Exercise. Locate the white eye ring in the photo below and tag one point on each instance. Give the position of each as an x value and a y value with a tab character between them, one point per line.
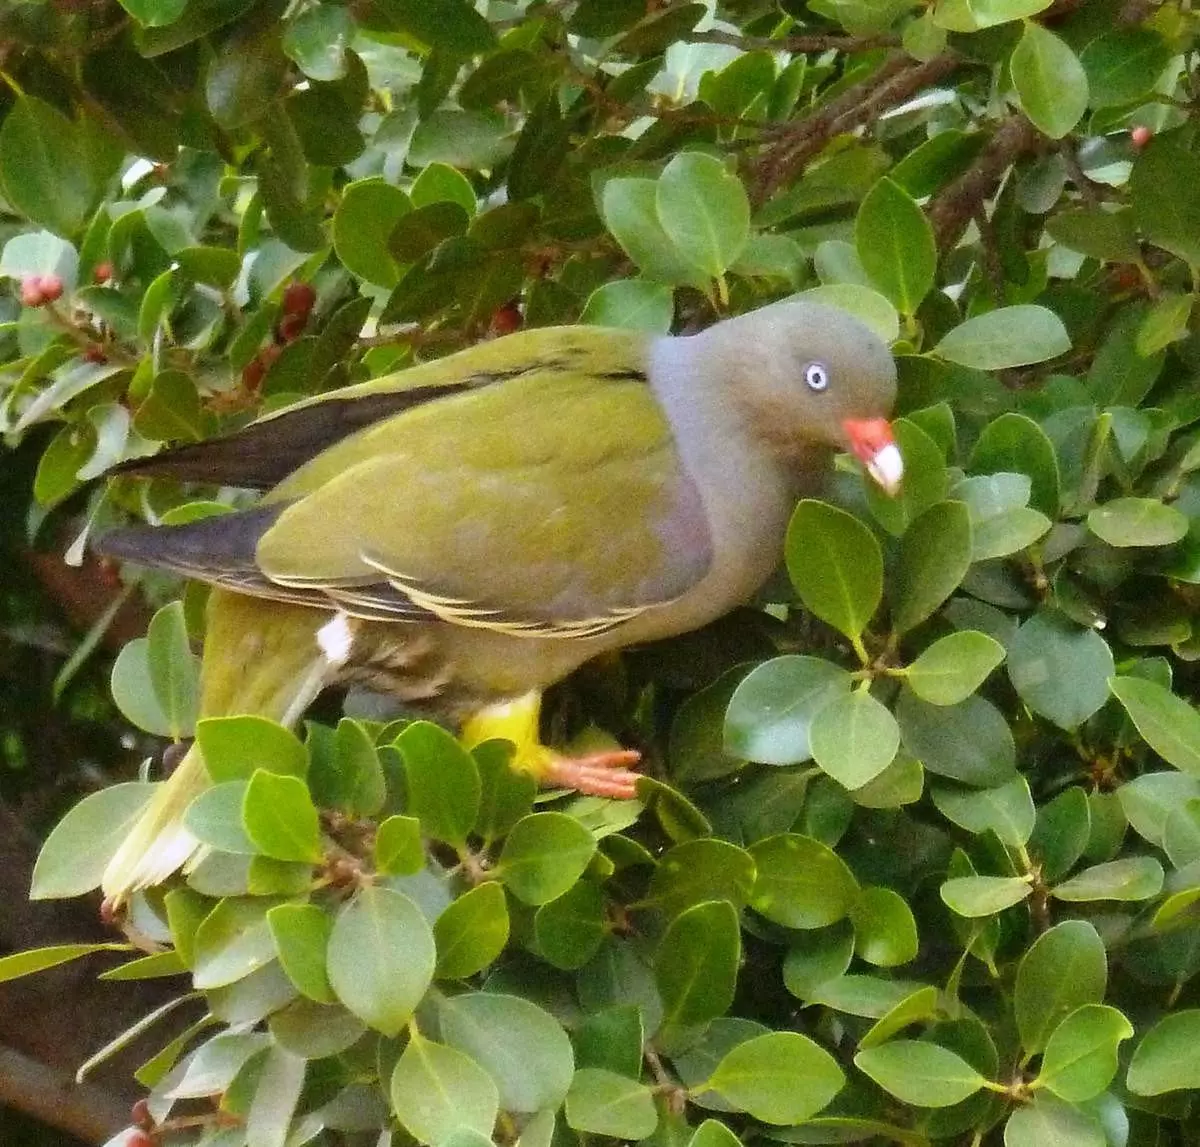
816	376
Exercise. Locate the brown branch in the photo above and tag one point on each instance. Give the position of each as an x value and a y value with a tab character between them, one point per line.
897	80
798	43
50	1096
955	205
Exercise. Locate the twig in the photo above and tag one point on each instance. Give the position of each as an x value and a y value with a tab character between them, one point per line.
1088	188
954	206
83	1110
798	43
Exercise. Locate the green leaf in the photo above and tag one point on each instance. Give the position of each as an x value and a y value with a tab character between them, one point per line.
935	554
44	168
630	212
301	936
519	1045
801	883
215	819
1007	810
871	308
544	854
696	967
1063	969
631	304
919	1006
923	1074
435	1089
1137	522
1059	669
571	928
506	795
133	689
234	748
772	709
471	932
1006	337
699	870
885	931
1167	723
895	245
817	957
1166	322
969	742
1061	831
232	942
78	849
1014	443
705	211
854	738
1047	1119
1165	1058
925	480
444	787
779	1078
381	958
604	1103
953	667
836	566
1050	81
280	817
1130	878
40	959
1124	64
366	215
1096	232
398	849
1080	1058
1162	187
316	40
976	896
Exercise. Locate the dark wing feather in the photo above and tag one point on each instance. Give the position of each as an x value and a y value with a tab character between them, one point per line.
220	550
262	454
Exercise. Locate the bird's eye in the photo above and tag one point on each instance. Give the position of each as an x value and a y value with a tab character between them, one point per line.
816	376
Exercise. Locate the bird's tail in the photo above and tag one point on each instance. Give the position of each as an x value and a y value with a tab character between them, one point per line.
265	658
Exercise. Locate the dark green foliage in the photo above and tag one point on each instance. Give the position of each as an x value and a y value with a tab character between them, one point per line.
917	855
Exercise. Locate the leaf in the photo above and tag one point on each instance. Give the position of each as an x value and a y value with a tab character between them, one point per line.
854	738
969	742
280	818
1006	337
444	787
895	245
1162	188
1063	969
436	1089
471	933
772	709
779	1078
630	211
317	40
521	1046
234	748
1007	810
26	963
801	883
78	849
398	849
544	854
1096	232
925	480
696	967
1014	443
631	304
920	1073
1080	1058
1164	1060
976	896
366	215
381	958
1167	723
1124	64
604	1103
871	308
1060	669
885	931
953	667
1130	878
935	554
700	870
1050	80
836	566
571	928
301	936
1137	522
1047	1119
705	211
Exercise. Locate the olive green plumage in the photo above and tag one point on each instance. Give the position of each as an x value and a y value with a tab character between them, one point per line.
468	531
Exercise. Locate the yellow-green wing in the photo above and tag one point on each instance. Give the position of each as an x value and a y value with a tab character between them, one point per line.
553	501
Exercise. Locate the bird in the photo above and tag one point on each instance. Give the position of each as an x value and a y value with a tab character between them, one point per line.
465	532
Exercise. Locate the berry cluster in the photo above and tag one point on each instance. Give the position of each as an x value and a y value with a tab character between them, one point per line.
38	290
298	302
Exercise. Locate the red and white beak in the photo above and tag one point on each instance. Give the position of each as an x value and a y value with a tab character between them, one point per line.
875	447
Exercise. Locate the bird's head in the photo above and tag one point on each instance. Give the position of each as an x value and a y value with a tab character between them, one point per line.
810	375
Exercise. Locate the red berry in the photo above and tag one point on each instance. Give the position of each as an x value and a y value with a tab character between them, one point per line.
94	353
252	374
31	291
103	272
269	355
506	319
140	1115
299	299
1140	136
290	327
139	1139
52	287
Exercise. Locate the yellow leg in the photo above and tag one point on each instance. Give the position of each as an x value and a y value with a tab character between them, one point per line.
599	774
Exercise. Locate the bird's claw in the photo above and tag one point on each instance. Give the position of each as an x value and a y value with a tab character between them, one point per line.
603	774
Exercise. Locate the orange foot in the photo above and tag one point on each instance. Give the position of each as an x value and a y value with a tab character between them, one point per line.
601	774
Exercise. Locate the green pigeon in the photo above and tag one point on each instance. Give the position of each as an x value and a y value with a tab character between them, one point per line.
466	532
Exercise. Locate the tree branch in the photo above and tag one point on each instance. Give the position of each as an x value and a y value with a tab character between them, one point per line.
50	1096
798	43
